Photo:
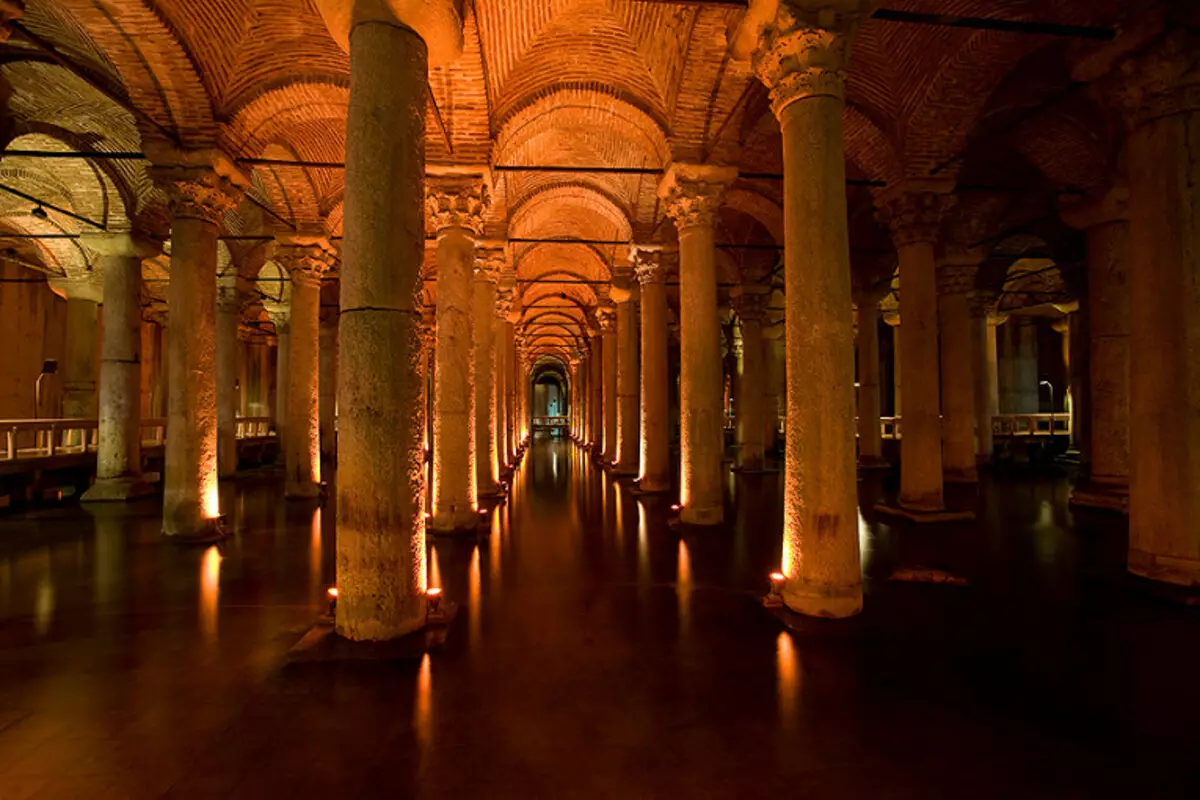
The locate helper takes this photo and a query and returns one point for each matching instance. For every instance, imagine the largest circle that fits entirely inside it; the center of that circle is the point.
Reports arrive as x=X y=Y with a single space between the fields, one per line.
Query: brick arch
x=581 y=261
x=64 y=255
x=570 y=209
x=763 y=209
x=291 y=189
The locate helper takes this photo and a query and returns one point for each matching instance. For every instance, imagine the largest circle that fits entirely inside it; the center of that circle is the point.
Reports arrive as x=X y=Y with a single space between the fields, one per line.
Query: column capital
x=1096 y=209
x=913 y=210
x=648 y=263
x=437 y=22
x=491 y=259
x=83 y=286
x=953 y=279
x=803 y=46
x=429 y=326
x=305 y=259
x=456 y=198
x=201 y=184
x=983 y=304
x=606 y=318
x=504 y=301
x=891 y=318
x=624 y=285
x=693 y=192
x=1161 y=81
x=872 y=295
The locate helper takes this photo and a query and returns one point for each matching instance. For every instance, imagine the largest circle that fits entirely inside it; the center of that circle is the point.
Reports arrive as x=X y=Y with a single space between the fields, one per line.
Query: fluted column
x=456 y=207
x=913 y=211
x=1106 y=220
x=119 y=456
x=200 y=194
x=749 y=432
x=655 y=407
x=870 y=434
x=692 y=195
x=956 y=281
x=380 y=485
x=306 y=259
x=229 y=318
x=607 y=318
x=488 y=264
x=1159 y=91
x=624 y=293
x=803 y=62
x=327 y=390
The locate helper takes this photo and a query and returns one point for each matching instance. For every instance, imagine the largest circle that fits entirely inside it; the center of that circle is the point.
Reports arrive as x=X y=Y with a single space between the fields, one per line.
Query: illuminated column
x=327 y=390
x=200 y=194
x=1160 y=94
x=596 y=392
x=870 y=434
x=750 y=308
x=802 y=61
x=1026 y=392
x=504 y=298
x=280 y=315
x=488 y=264
x=380 y=485
x=955 y=281
x=607 y=318
x=692 y=195
x=983 y=359
x=456 y=207
x=1106 y=220
x=655 y=427
x=626 y=456
x=119 y=456
x=892 y=320
x=84 y=294
x=774 y=390
x=913 y=211
x=510 y=380
x=306 y=259
x=229 y=318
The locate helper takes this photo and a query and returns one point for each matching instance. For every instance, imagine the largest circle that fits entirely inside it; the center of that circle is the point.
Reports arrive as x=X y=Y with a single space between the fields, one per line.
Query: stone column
x=229 y=317
x=913 y=211
x=596 y=392
x=306 y=258
x=1106 y=220
x=280 y=316
x=607 y=317
x=200 y=194
x=870 y=434
x=84 y=294
x=1026 y=392
x=380 y=485
x=626 y=460
x=504 y=297
x=510 y=382
x=119 y=456
x=327 y=391
x=983 y=345
x=773 y=344
x=456 y=207
x=892 y=320
x=750 y=309
x=488 y=264
x=956 y=281
x=692 y=195
x=803 y=62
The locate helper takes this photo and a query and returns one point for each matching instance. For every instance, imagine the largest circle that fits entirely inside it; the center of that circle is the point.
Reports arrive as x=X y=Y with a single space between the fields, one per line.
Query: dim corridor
x=597 y=654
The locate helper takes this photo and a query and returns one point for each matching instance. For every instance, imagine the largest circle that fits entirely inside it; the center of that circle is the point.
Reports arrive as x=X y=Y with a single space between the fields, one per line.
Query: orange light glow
x=423 y=702
x=474 y=599
x=435 y=573
x=788 y=671
x=332 y=591
x=212 y=499
x=683 y=584
x=433 y=591
x=210 y=591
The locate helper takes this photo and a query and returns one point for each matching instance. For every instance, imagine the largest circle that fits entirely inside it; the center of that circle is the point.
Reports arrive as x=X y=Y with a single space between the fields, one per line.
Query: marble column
x=773 y=390
x=803 y=62
x=504 y=297
x=380 y=485
x=488 y=264
x=892 y=320
x=201 y=192
x=119 y=455
x=84 y=293
x=456 y=207
x=510 y=380
x=692 y=195
x=956 y=281
x=626 y=457
x=750 y=308
x=1106 y=220
x=280 y=316
x=1026 y=391
x=306 y=259
x=327 y=391
x=983 y=346
x=596 y=392
x=607 y=317
x=229 y=318
x=870 y=433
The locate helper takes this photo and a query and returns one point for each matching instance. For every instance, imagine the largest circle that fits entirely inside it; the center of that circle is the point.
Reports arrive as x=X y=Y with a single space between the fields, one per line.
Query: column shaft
x=610 y=393
x=596 y=396
x=957 y=375
x=302 y=432
x=229 y=314
x=750 y=395
x=626 y=457
x=487 y=470
x=870 y=435
x=921 y=444
x=328 y=388
x=79 y=365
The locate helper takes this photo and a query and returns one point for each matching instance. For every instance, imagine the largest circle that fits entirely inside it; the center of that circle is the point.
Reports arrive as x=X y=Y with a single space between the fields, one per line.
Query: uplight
x=332 y=592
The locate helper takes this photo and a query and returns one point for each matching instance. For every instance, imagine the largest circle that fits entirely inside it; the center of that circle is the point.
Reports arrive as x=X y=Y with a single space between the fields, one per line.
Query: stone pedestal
x=626 y=459
x=456 y=206
x=306 y=259
x=692 y=195
x=229 y=317
x=870 y=434
x=119 y=456
x=956 y=281
x=803 y=61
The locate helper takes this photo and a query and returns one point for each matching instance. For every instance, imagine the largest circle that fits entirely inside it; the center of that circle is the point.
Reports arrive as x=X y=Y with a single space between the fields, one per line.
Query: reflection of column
x=119 y=457
x=1106 y=220
x=200 y=195
x=327 y=390
x=913 y=211
x=803 y=63
x=870 y=435
x=456 y=206
x=229 y=317
x=306 y=259
x=956 y=280
x=488 y=264
x=380 y=486
x=693 y=196
x=608 y=332
x=626 y=458
x=749 y=431
x=84 y=294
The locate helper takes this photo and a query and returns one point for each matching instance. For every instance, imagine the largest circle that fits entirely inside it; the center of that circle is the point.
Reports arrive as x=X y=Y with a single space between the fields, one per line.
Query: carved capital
x=1159 y=82
x=751 y=305
x=201 y=184
x=693 y=193
x=606 y=318
x=648 y=264
x=913 y=216
x=490 y=261
x=457 y=201
x=504 y=301
x=306 y=262
x=119 y=245
x=1096 y=210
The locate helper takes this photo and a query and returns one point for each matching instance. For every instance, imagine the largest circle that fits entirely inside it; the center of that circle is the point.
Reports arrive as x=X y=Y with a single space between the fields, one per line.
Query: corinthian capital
x=306 y=260
x=490 y=261
x=956 y=279
x=1160 y=82
x=693 y=192
x=647 y=263
x=457 y=200
x=803 y=49
x=201 y=184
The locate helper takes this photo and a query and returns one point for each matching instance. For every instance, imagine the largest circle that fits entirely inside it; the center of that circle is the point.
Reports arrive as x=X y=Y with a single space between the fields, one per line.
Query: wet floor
x=598 y=654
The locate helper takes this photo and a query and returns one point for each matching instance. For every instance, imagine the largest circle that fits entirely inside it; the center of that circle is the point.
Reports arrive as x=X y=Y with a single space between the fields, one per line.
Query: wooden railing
x=544 y=423
x=45 y=438
x=1003 y=425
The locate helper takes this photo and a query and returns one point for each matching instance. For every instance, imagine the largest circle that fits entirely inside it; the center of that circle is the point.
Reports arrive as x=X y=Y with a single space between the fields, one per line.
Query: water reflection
x=210 y=592
x=423 y=703
x=787 y=679
x=435 y=572
x=474 y=610
x=43 y=614
x=314 y=557
x=683 y=586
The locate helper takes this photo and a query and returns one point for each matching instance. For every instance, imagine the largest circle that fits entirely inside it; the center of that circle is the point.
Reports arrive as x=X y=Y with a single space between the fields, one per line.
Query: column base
x=960 y=475
x=116 y=490
x=820 y=600
x=1101 y=496
x=620 y=471
x=1167 y=569
x=323 y=644
x=873 y=462
x=453 y=522
x=491 y=493
x=691 y=515
x=651 y=486
x=302 y=491
x=923 y=514
x=207 y=531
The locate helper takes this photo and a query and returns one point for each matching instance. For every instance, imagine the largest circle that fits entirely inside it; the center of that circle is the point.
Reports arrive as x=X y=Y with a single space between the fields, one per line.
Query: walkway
x=598 y=656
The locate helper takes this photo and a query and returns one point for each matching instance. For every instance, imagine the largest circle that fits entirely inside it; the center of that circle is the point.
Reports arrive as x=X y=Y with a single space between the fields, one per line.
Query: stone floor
x=598 y=655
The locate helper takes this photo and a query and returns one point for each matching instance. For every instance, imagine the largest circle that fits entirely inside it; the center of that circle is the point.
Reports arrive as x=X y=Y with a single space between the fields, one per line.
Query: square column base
x=116 y=490
x=1101 y=497
x=209 y=531
x=923 y=515
x=322 y=644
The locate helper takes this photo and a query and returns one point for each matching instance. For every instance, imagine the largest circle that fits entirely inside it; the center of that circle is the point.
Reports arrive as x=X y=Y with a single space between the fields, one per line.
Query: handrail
x=42 y=438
